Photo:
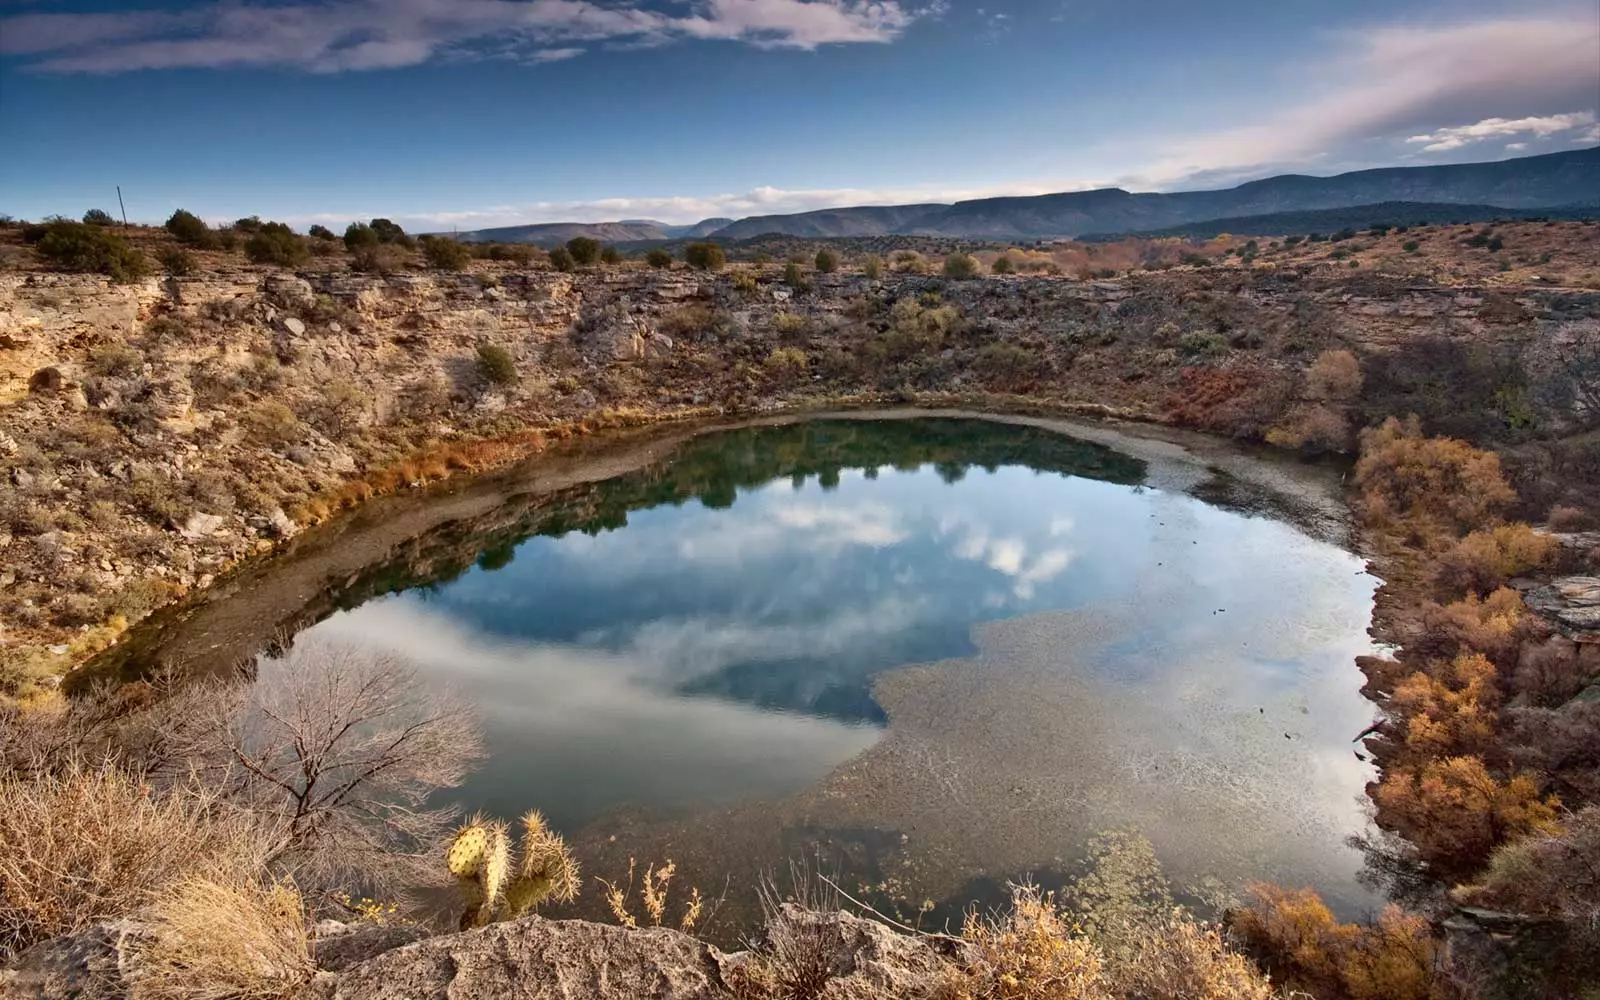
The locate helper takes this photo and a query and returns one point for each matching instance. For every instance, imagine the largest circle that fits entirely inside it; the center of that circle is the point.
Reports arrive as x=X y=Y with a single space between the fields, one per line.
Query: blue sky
x=472 y=113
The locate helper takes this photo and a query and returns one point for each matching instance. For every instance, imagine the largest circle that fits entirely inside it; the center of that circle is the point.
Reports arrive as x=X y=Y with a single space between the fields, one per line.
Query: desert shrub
x=515 y=253
x=1450 y=710
x=446 y=254
x=1005 y=363
x=98 y=217
x=320 y=232
x=585 y=250
x=224 y=939
x=389 y=232
x=1179 y=958
x=561 y=259
x=378 y=258
x=1002 y=265
x=960 y=265
x=1335 y=376
x=1455 y=813
x=827 y=261
x=1486 y=559
x=786 y=363
x=189 y=228
x=1313 y=427
x=1030 y=954
x=496 y=364
x=74 y=246
x=1240 y=402
x=705 y=256
x=1295 y=936
x=794 y=277
x=872 y=268
x=659 y=257
x=1429 y=487
x=92 y=843
x=358 y=235
x=113 y=360
x=272 y=425
x=276 y=243
x=248 y=224
x=1551 y=672
x=1565 y=519
x=610 y=255
x=1496 y=625
x=175 y=261
x=1462 y=390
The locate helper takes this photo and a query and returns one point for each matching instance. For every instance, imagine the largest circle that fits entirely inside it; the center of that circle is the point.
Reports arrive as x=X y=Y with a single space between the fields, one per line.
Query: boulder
x=613 y=332
x=293 y=327
x=199 y=525
x=287 y=291
x=46 y=380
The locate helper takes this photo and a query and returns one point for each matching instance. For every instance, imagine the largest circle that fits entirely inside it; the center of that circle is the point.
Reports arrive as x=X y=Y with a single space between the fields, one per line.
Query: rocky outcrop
x=528 y=959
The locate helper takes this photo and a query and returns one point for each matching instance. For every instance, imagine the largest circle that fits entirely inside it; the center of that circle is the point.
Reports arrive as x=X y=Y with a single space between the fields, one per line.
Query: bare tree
x=339 y=749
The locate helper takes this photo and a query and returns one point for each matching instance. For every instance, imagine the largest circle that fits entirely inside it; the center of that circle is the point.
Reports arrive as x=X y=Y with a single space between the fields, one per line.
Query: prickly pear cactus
x=547 y=871
x=467 y=851
x=480 y=858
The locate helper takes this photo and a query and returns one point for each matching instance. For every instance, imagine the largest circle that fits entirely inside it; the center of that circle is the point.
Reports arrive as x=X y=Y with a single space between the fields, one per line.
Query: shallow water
x=713 y=658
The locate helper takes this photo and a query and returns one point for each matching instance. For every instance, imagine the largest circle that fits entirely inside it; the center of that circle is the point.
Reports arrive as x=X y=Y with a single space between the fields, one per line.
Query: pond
x=932 y=654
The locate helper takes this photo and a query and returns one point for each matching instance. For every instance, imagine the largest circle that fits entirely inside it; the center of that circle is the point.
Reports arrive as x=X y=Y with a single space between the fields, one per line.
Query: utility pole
x=122 y=206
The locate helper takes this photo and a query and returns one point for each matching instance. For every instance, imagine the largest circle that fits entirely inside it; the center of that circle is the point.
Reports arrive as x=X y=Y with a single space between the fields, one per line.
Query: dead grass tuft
x=224 y=940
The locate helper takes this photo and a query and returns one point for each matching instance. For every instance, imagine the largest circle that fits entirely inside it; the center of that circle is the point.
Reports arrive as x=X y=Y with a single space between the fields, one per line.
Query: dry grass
x=93 y=843
x=1031 y=954
x=224 y=940
x=1179 y=958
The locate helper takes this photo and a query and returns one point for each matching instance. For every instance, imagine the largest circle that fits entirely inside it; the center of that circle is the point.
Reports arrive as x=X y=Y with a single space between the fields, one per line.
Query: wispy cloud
x=347 y=35
x=1388 y=83
x=1444 y=139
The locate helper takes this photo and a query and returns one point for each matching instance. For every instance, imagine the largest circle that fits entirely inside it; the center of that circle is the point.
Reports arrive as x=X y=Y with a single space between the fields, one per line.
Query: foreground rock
x=528 y=959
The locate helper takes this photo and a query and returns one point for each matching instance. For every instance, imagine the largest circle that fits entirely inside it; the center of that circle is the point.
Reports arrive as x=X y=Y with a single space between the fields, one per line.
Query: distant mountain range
x=1551 y=180
x=549 y=234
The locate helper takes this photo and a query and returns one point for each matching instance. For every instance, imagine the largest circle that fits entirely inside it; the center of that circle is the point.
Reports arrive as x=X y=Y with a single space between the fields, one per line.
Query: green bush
x=188 y=228
x=659 y=257
x=516 y=253
x=827 y=261
x=585 y=250
x=705 y=256
x=872 y=268
x=561 y=259
x=276 y=243
x=175 y=261
x=75 y=246
x=389 y=232
x=610 y=255
x=358 y=235
x=1411 y=246
x=248 y=224
x=98 y=217
x=1197 y=344
x=793 y=278
x=960 y=265
x=321 y=233
x=1002 y=265
x=496 y=364
x=446 y=254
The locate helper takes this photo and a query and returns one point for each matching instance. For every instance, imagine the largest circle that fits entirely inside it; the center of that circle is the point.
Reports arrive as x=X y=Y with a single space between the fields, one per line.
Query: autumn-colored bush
x=1314 y=427
x=1295 y=936
x=1426 y=488
x=1549 y=673
x=1238 y=402
x=1496 y=625
x=1334 y=377
x=1564 y=518
x=1030 y=954
x=1455 y=813
x=1451 y=711
x=1488 y=558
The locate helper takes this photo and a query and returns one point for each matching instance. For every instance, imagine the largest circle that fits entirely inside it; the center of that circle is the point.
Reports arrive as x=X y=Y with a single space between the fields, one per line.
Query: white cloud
x=1516 y=147
x=1444 y=139
x=1387 y=83
x=345 y=35
x=870 y=525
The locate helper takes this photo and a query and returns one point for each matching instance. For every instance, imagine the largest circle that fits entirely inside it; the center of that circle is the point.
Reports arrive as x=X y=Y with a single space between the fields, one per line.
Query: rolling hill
x=1551 y=180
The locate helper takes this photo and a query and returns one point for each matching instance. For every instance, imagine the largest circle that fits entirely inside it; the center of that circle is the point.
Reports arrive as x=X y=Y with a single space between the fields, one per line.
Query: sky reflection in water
x=704 y=656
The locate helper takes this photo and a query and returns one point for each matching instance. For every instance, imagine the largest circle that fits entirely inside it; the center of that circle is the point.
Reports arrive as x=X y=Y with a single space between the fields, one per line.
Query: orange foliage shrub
x=1487 y=558
x=1429 y=489
x=1455 y=813
x=1496 y=626
x=1450 y=711
x=1236 y=402
x=1295 y=936
x=1315 y=427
